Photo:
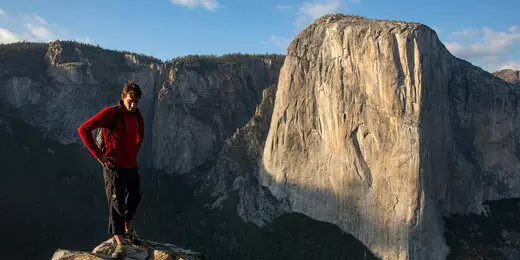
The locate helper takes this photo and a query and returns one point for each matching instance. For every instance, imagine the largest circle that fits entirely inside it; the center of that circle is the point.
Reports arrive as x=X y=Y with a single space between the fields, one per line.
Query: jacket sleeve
x=140 y=133
x=101 y=119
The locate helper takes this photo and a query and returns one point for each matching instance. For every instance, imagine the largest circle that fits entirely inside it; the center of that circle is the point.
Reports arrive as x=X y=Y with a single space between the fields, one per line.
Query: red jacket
x=123 y=145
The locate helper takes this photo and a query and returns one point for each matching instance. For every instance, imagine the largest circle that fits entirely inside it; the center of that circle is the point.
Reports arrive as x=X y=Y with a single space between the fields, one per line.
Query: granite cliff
x=378 y=129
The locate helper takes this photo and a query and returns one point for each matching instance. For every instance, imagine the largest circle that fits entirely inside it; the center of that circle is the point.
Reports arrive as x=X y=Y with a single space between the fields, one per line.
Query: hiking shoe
x=132 y=237
x=119 y=252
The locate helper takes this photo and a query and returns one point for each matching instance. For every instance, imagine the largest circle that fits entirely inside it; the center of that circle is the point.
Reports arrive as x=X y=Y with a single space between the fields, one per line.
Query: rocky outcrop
x=148 y=250
x=75 y=82
x=509 y=75
x=379 y=129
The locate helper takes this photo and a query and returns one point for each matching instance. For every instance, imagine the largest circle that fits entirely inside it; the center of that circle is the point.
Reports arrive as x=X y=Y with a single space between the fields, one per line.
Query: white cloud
x=512 y=28
x=7 y=36
x=208 y=4
x=283 y=7
x=491 y=51
x=32 y=27
x=281 y=42
x=38 y=28
x=2 y=12
x=316 y=10
x=492 y=44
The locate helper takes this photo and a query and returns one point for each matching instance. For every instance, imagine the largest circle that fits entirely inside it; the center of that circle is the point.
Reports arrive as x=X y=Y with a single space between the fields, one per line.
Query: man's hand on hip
x=107 y=161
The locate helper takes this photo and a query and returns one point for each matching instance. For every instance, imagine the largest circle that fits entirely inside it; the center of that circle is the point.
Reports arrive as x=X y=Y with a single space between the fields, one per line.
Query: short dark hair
x=132 y=87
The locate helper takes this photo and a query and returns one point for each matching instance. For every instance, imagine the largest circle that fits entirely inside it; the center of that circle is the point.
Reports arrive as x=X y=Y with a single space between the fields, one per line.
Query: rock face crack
x=359 y=156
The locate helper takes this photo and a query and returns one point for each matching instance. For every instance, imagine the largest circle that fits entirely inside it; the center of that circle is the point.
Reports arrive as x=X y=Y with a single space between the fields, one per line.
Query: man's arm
x=140 y=133
x=101 y=119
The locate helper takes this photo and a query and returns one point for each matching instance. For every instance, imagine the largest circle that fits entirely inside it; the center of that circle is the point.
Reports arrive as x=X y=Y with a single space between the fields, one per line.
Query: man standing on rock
x=116 y=147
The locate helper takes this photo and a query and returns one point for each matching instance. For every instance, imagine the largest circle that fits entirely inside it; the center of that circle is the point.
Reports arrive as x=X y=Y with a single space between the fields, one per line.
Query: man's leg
x=128 y=225
x=115 y=192
x=133 y=197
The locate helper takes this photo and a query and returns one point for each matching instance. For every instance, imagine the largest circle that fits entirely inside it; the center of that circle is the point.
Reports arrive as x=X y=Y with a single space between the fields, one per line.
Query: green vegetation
x=227 y=58
x=204 y=63
x=494 y=235
x=96 y=49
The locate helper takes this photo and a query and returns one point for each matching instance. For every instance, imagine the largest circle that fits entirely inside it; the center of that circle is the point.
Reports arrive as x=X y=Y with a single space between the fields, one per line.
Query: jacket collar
x=121 y=105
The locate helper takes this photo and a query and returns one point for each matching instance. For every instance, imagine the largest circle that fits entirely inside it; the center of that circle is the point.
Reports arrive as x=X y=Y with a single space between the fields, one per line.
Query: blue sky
x=487 y=33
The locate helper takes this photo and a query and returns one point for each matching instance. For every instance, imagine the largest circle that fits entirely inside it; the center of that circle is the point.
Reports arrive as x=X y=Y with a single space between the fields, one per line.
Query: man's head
x=131 y=95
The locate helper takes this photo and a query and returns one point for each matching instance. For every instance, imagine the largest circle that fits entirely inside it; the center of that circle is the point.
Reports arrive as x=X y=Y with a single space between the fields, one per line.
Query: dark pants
x=123 y=195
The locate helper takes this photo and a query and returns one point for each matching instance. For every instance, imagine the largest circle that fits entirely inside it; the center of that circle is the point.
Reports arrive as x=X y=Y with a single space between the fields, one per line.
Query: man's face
x=131 y=101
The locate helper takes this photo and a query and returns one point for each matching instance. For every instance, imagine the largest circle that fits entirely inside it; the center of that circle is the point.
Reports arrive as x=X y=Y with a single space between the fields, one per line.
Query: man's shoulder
x=109 y=110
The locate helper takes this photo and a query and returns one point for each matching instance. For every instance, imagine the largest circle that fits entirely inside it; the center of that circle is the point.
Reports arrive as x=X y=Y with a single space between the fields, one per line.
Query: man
x=122 y=135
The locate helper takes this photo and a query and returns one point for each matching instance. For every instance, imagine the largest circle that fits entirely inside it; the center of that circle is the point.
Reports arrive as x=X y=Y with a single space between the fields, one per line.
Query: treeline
x=90 y=48
x=17 y=59
x=227 y=58
x=203 y=63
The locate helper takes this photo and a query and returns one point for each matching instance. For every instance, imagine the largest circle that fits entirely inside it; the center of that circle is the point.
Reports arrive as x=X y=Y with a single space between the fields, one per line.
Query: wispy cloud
x=211 y=5
x=280 y=42
x=40 y=32
x=2 y=12
x=492 y=49
x=282 y=7
x=84 y=40
x=39 y=28
x=310 y=11
x=39 y=19
x=470 y=32
x=316 y=10
x=512 y=28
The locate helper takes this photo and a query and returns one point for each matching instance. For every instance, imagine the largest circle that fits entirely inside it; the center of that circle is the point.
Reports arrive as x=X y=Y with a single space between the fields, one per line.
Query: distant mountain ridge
x=509 y=75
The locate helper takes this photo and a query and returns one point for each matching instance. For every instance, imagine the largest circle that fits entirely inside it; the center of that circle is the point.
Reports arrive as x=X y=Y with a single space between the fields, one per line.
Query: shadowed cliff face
x=203 y=104
x=379 y=129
